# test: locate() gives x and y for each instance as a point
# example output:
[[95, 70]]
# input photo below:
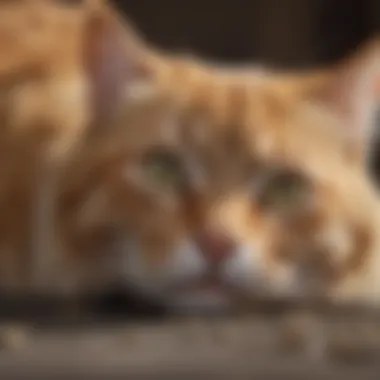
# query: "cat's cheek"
[[264, 272], [154, 271], [246, 269], [281, 280]]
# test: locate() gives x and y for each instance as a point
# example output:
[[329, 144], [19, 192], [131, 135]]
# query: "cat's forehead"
[[263, 124], [236, 119]]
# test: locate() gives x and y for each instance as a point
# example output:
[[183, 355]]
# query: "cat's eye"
[[285, 191], [165, 169]]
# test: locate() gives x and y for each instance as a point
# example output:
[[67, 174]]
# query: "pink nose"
[[216, 246]]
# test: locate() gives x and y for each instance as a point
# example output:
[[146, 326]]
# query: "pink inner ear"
[[107, 63], [351, 91]]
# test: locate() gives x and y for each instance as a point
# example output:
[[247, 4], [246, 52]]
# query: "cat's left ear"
[[115, 58], [351, 89]]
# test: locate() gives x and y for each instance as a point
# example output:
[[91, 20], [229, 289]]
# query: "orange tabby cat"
[[222, 184], [56, 57]]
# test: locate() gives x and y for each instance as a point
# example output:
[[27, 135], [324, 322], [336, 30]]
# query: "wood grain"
[[224, 348]]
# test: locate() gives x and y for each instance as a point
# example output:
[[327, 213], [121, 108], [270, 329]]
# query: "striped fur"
[[214, 236], [231, 132]]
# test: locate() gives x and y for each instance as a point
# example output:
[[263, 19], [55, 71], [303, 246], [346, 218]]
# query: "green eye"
[[164, 169], [285, 192]]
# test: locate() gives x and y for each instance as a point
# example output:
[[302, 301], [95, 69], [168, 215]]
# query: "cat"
[[219, 185], [176, 196], [56, 57]]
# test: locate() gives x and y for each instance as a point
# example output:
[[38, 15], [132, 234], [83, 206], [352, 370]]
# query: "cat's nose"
[[216, 246]]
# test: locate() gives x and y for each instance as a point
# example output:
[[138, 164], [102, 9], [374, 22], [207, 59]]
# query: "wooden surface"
[[231, 348]]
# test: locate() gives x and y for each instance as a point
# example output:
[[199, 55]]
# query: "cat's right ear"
[[116, 58], [351, 90]]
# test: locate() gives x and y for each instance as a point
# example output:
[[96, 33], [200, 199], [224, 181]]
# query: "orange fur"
[[177, 195], [53, 58], [213, 224]]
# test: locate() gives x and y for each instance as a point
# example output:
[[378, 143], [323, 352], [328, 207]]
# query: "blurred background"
[[285, 33]]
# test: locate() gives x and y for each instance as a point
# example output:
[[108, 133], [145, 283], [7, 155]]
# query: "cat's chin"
[[202, 297], [203, 301]]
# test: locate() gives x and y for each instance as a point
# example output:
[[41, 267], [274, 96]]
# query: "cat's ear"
[[351, 90], [114, 59]]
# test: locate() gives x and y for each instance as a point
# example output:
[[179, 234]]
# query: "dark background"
[[279, 32]]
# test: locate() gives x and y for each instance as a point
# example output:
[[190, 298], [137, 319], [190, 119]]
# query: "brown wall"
[[281, 32]]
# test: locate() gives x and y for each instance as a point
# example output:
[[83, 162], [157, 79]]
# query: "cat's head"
[[227, 184]]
